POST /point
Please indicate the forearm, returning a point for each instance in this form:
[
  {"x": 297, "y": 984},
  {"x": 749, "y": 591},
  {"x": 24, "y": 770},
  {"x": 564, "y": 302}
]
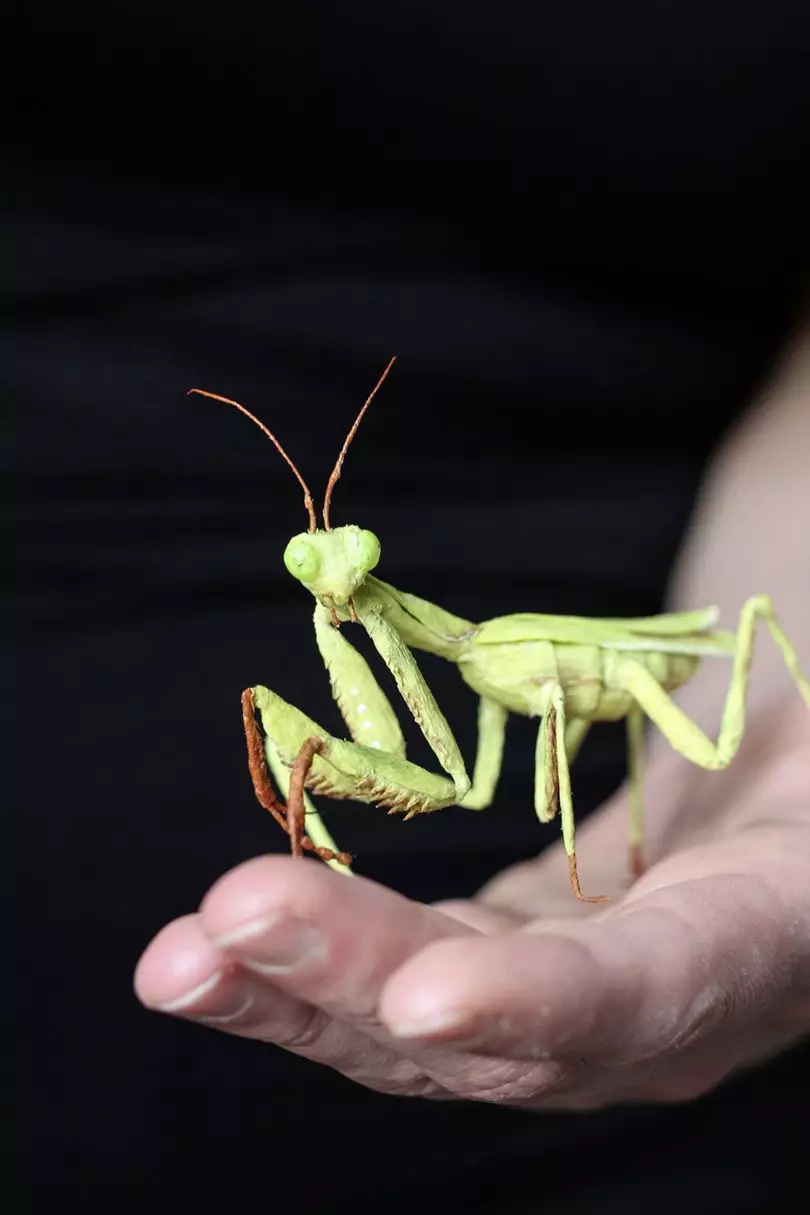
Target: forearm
[{"x": 750, "y": 533}]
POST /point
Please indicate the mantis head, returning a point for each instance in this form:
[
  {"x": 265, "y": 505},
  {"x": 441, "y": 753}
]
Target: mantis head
[{"x": 330, "y": 562}]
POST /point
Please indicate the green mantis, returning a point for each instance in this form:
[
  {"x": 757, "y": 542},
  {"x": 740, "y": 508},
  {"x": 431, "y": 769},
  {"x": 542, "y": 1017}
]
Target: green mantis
[{"x": 566, "y": 671}]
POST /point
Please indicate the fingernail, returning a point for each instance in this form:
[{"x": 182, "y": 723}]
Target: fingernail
[
  {"x": 273, "y": 945},
  {"x": 189, "y": 998},
  {"x": 430, "y": 1023},
  {"x": 223, "y": 1008}
]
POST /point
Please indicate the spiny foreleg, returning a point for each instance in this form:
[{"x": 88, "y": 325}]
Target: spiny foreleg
[{"x": 291, "y": 818}]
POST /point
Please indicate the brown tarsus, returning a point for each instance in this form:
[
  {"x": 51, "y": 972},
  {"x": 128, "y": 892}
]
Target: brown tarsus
[{"x": 291, "y": 817}]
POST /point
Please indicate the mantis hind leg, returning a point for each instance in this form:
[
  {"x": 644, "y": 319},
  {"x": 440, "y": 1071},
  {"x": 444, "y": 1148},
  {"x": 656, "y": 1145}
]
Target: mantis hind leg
[
  {"x": 552, "y": 781},
  {"x": 680, "y": 731}
]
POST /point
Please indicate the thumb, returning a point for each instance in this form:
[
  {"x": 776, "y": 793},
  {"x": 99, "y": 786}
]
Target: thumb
[{"x": 629, "y": 985}]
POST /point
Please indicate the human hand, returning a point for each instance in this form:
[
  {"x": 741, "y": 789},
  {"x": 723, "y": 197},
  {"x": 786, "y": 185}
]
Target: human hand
[{"x": 524, "y": 996}]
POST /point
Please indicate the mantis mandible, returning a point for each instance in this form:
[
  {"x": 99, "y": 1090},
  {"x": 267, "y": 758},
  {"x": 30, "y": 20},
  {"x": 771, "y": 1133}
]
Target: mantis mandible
[{"x": 567, "y": 671}]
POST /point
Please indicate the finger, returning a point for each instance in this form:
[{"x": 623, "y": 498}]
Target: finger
[
  {"x": 180, "y": 970},
  {"x": 481, "y": 918},
  {"x": 182, "y": 974},
  {"x": 651, "y": 977},
  {"x": 302, "y": 931},
  {"x": 330, "y": 941}
]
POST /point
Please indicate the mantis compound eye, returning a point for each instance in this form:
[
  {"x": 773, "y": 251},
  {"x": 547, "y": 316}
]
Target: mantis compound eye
[
  {"x": 368, "y": 550},
  {"x": 302, "y": 560}
]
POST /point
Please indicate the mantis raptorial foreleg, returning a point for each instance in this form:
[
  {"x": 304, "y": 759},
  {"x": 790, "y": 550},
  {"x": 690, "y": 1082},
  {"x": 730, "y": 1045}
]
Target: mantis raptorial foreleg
[
  {"x": 262, "y": 754},
  {"x": 372, "y": 768},
  {"x": 680, "y": 731},
  {"x": 419, "y": 698},
  {"x": 363, "y": 705},
  {"x": 336, "y": 767}
]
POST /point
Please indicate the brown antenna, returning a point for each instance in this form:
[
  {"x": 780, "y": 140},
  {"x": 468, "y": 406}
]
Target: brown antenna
[
  {"x": 333, "y": 480},
  {"x": 308, "y": 503}
]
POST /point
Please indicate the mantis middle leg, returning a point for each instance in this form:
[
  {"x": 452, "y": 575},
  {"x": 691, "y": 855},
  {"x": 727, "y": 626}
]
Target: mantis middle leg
[
  {"x": 635, "y": 756},
  {"x": 489, "y": 756},
  {"x": 552, "y": 779}
]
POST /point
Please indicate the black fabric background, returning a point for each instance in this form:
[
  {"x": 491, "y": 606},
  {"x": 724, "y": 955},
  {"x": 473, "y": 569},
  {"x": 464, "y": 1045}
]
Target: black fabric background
[{"x": 582, "y": 229}]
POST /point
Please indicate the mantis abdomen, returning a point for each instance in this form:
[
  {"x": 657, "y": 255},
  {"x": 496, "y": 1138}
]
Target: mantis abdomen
[{"x": 519, "y": 676}]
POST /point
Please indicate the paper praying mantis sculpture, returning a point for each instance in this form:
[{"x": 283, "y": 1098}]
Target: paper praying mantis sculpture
[{"x": 567, "y": 671}]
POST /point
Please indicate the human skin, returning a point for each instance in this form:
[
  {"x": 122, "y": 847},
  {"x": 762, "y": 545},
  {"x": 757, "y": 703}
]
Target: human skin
[{"x": 521, "y": 995}]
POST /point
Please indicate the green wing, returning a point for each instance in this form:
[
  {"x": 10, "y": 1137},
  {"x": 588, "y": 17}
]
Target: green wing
[
  {"x": 672, "y": 633},
  {"x": 669, "y": 624}
]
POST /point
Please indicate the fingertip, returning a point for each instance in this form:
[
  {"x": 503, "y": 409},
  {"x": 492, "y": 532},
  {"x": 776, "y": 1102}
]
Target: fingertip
[
  {"x": 178, "y": 966},
  {"x": 505, "y": 987},
  {"x": 433, "y": 991},
  {"x": 264, "y": 885}
]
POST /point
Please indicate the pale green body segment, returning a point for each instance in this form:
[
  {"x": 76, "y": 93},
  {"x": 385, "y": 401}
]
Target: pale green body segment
[{"x": 568, "y": 671}]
